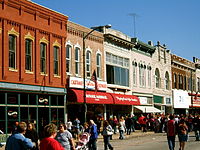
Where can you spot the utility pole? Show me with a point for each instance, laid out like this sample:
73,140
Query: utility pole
134,15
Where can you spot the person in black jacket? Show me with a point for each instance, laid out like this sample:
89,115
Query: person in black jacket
32,134
196,124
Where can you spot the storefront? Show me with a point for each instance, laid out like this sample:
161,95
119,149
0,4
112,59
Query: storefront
39,105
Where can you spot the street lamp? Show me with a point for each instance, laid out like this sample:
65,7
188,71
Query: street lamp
84,88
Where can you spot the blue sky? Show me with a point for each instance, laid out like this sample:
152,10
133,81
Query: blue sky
175,23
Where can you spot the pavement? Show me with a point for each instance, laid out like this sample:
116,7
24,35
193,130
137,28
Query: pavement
135,134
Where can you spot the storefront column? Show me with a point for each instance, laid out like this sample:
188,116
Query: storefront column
104,113
6,114
50,107
19,112
132,110
65,110
37,122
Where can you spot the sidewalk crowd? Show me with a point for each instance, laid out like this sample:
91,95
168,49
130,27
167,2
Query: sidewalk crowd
74,135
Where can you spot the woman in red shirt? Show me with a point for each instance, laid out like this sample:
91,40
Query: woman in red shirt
49,143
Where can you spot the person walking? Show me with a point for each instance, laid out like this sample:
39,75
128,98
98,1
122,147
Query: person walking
115,123
17,141
182,134
93,135
122,128
171,132
49,143
64,137
196,125
143,123
32,134
107,131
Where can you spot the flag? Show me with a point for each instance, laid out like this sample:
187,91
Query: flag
94,79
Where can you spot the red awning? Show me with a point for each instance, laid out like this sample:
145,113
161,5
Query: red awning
74,95
125,99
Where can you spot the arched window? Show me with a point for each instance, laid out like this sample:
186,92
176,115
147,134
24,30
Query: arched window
98,61
77,60
88,63
68,58
167,81
157,78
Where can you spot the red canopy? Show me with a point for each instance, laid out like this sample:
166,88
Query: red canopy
74,95
125,99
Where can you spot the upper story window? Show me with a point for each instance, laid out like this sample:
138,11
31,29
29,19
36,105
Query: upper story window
77,60
56,60
28,53
12,51
167,81
149,75
157,78
117,69
88,63
98,62
175,81
43,48
134,64
68,58
198,84
180,82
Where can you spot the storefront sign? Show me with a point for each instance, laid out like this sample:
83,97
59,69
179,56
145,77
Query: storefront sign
125,99
91,97
75,82
181,99
143,100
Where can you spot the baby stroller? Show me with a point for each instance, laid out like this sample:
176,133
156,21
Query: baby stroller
82,143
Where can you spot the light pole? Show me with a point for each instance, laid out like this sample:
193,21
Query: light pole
84,88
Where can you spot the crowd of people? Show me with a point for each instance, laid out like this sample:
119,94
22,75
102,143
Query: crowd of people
63,137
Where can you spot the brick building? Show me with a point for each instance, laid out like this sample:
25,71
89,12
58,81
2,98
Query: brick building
183,83
32,64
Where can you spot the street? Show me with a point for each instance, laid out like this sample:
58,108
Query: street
149,142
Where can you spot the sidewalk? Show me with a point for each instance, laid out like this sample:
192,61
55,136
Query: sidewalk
135,134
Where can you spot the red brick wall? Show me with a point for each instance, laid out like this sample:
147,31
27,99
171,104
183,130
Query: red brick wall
29,18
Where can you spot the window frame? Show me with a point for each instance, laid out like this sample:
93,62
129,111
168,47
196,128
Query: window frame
77,60
12,51
68,58
98,65
56,60
88,63
28,64
43,59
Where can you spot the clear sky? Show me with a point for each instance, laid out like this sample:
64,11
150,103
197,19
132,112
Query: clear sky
175,23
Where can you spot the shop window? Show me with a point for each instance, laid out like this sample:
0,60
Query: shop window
12,114
61,100
54,100
2,119
2,98
32,114
24,99
32,99
24,114
12,98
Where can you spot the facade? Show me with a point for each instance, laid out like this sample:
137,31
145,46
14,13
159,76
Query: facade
162,87
32,68
183,83
141,75
94,61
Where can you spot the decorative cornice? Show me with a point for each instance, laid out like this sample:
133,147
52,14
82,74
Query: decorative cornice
12,31
29,36
57,44
43,40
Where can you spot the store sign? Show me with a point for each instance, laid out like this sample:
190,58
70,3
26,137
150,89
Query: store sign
181,99
75,82
143,100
